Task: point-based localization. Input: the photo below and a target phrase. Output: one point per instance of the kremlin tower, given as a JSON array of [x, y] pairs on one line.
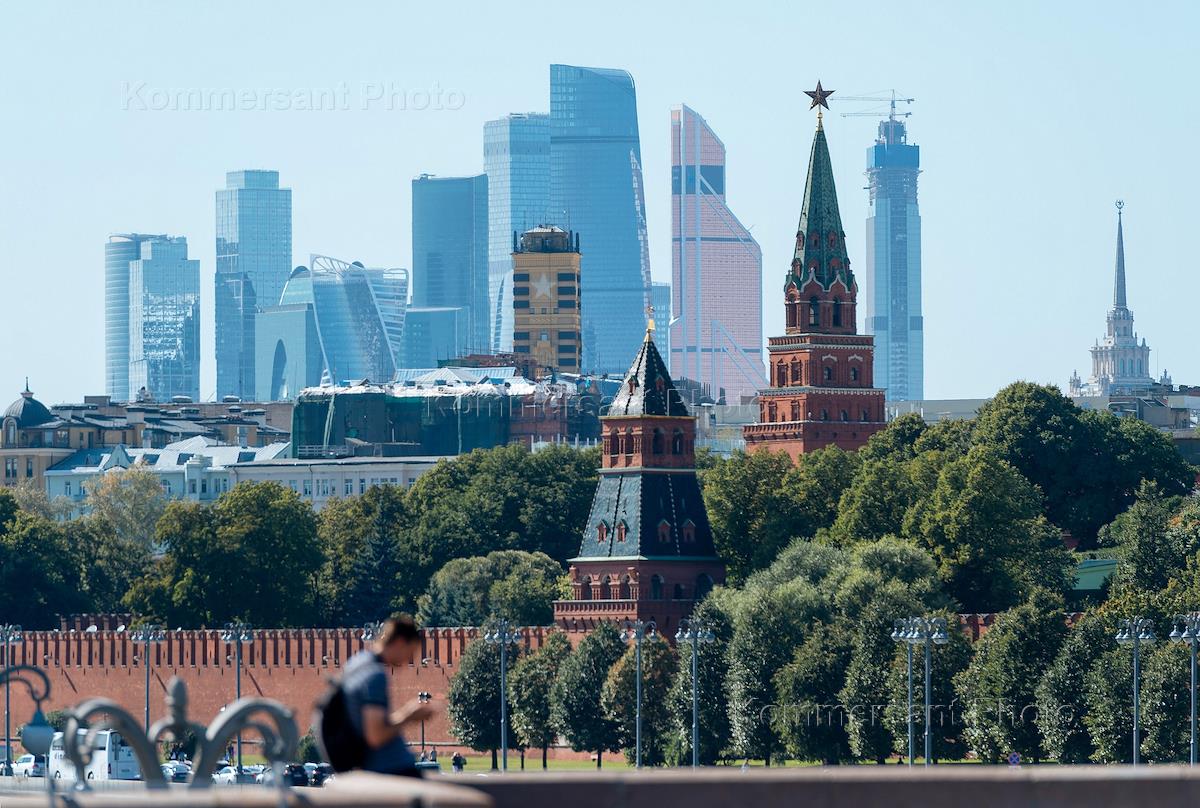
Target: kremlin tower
[[820, 390], [647, 550]]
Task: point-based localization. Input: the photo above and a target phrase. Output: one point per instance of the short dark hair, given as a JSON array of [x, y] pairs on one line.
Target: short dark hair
[[398, 627]]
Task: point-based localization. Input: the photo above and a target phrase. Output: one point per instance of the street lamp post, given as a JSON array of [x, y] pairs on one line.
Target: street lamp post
[[927, 632], [10, 635], [638, 630], [694, 632], [504, 635], [238, 633], [1189, 635], [424, 697], [1135, 631], [147, 634]]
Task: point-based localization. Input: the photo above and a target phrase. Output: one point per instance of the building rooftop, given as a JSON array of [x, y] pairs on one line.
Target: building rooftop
[[169, 457]]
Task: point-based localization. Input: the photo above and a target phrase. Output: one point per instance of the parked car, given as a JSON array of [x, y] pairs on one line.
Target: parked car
[[176, 771], [295, 775], [225, 776], [266, 777], [428, 766], [318, 776], [30, 766]]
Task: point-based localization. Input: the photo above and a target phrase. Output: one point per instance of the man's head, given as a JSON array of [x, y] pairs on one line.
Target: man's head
[[398, 640]]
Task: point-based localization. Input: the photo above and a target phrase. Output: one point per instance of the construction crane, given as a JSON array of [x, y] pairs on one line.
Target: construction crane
[[891, 101]]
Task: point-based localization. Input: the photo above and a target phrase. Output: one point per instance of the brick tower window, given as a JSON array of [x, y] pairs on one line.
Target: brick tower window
[[866, 415], [797, 372], [827, 373], [621, 530], [677, 442], [837, 312], [664, 531], [688, 531], [614, 445], [845, 415], [601, 532], [853, 374], [814, 311], [656, 588], [659, 441]]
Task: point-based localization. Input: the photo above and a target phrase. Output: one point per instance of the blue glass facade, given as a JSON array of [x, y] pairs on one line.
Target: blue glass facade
[[164, 321], [433, 335], [450, 250], [254, 259], [596, 189], [335, 322], [660, 298], [893, 280], [516, 159], [119, 251]]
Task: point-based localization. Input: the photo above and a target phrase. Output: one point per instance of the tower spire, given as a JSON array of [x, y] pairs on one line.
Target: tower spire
[[1119, 281]]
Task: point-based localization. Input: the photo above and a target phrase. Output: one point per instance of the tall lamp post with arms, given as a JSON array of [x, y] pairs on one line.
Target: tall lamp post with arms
[[146, 635], [1136, 631], [927, 632], [238, 633], [638, 630], [694, 632], [10, 635], [503, 635], [1190, 635]]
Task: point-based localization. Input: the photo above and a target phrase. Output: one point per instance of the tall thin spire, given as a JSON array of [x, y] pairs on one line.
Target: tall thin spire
[[1119, 282]]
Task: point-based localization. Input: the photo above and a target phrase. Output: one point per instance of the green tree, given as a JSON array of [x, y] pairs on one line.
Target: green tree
[[1108, 695], [619, 702], [875, 503], [529, 687], [32, 498], [752, 516], [575, 709], [984, 528], [253, 556], [362, 559], [513, 584], [1166, 705], [39, 570], [1061, 693], [1151, 554], [998, 687], [9, 506], [474, 698], [808, 714], [711, 671], [897, 441], [113, 565], [126, 505]]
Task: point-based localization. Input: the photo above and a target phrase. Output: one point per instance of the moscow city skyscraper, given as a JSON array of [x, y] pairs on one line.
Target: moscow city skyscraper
[[450, 250], [516, 159], [254, 260], [152, 318], [596, 190], [893, 279], [716, 270]]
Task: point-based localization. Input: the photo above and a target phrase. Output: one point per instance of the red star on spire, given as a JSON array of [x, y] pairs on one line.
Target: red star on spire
[[818, 96]]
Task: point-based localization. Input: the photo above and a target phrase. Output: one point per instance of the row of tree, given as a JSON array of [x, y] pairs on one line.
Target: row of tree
[[504, 520]]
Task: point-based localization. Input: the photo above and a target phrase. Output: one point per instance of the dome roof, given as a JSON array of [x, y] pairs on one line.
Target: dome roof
[[28, 410]]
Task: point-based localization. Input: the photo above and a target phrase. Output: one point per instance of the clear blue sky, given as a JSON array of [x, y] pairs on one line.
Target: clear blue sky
[[1032, 118]]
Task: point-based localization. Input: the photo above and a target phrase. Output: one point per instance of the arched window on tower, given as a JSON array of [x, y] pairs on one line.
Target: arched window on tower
[[677, 441], [614, 445], [664, 532], [626, 588], [688, 531], [814, 311], [797, 372], [585, 588], [602, 532], [704, 585], [827, 373], [853, 374], [837, 312], [845, 415], [622, 529], [659, 441], [606, 588], [656, 588], [781, 374], [678, 595], [628, 442]]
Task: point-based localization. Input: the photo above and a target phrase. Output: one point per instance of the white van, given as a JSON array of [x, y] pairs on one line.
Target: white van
[[112, 759]]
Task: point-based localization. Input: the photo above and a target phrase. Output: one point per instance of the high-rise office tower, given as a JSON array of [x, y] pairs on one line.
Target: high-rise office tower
[[119, 251], [716, 269], [660, 298], [546, 321], [596, 190], [164, 321], [893, 282], [1120, 363], [254, 260], [151, 318], [516, 159], [450, 250], [821, 393], [335, 321]]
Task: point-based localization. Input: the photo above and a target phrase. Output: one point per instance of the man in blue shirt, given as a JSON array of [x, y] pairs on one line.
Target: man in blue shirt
[[365, 682]]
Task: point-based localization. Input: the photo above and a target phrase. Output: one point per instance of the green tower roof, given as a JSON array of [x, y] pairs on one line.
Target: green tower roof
[[820, 240]]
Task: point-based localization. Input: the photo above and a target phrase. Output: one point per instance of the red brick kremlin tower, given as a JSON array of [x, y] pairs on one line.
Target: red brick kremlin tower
[[647, 551], [821, 369]]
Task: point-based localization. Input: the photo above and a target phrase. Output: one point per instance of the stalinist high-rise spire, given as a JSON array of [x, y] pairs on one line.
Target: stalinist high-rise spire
[[1120, 363]]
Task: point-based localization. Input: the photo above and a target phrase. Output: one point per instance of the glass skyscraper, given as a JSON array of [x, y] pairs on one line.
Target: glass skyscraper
[[254, 259], [120, 249], [893, 282], [596, 190], [716, 270], [516, 159], [335, 322], [660, 298], [450, 250], [164, 321]]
